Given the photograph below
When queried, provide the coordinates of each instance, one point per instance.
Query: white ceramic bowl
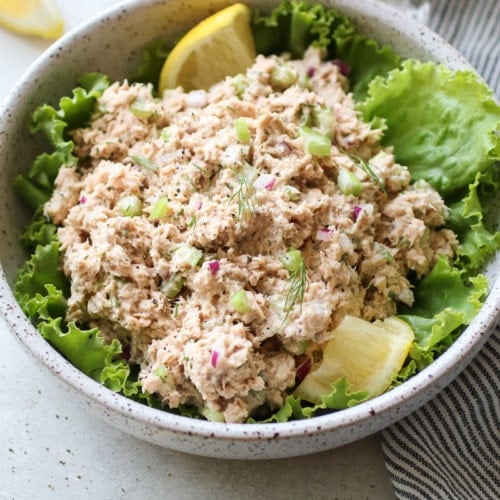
(112, 43)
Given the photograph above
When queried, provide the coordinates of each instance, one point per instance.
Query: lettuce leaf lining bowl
(121, 32)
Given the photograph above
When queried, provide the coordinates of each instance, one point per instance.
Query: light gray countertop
(52, 448)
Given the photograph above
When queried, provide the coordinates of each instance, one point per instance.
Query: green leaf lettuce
(36, 187)
(443, 303)
(442, 124)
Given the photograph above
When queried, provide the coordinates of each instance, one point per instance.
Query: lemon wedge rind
(221, 45)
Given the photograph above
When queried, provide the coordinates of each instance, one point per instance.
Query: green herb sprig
(245, 196)
(145, 163)
(360, 162)
(296, 267)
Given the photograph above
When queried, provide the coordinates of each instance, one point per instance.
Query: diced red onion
(127, 351)
(303, 369)
(214, 358)
(83, 199)
(269, 186)
(324, 234)
(265, 181)
(310, 71)
(356, 211)
(214, 267)
(344, 68)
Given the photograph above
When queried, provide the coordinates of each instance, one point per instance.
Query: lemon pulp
(221, 45)
(368, 355)
(32, 17)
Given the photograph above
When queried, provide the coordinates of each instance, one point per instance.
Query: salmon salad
(176, 229)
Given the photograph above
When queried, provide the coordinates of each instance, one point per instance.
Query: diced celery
(160, 209)
(172, 286)
(292, 193)
(212, 415)
(188, 254)
(304, 81)
(165, 134)
(240, 83)
(130, 206)
(314, 142)
(239, 301)
(306, 116)
(242, 130)
(283, 76)
(324, 121)
(348, 183)
(292, 260)
(318, 118)
(165, 375)
(142, 109)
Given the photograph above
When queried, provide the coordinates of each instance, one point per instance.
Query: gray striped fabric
(450, 448)
(473, 27)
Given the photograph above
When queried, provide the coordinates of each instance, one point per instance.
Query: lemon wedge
(32, 17)
(221, 45)
(368, 355)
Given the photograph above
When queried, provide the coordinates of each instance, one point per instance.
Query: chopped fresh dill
(369, 170)
(145, 163)
(297, 275)
(204, 171)
(384, 251)
(207, 175)
(245, 196)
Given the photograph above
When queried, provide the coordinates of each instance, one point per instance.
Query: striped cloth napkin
(450, 448)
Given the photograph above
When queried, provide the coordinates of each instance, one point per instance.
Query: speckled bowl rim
(413, 393)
